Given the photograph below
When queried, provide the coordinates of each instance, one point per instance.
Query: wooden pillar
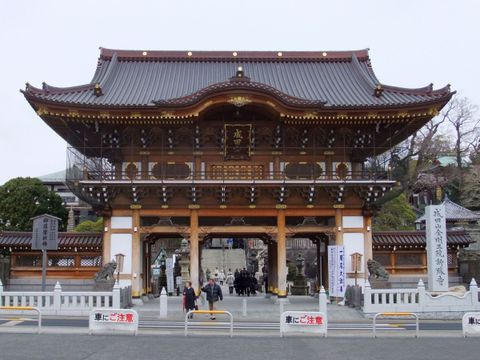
(270, 270)
(368, 244)
(338, 227)
(106, 239)
(274, 283)
(281, 255)
(136, 255)
(194, 253)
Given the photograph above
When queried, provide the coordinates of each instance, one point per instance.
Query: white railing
(419, 300)
(58, 302)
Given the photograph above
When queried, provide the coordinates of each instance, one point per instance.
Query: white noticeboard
(436, 248)
(169, 271)
(336, 271)
(303, 321)
(113, 320)
(471, 324)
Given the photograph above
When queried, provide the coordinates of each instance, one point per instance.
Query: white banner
(436, 248)
(336, 271)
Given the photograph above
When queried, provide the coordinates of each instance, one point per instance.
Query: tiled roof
(89, 240)
(455, 212)
(417, 238)
(161, 78)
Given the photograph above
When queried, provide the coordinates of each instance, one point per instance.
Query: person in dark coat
(189, 297)
(214, 293)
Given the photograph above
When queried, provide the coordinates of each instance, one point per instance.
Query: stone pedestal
(104, 285)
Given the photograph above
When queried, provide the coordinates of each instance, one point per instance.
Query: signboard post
(436, 248)
(303, 321)
(169, 272)
(336, 271)
(45, 237)
(471, 324)
(113, 320)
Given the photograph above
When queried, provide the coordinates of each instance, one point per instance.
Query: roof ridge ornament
(378, 90)
(97, 90)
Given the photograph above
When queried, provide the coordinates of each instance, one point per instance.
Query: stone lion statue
(377, 270)
(107, 272)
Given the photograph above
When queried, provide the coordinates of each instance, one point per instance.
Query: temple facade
(207, 145)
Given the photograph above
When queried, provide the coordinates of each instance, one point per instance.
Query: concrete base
(137, 301)
(282, 300)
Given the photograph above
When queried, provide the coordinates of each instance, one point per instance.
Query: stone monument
(299, 286)
(437, 260)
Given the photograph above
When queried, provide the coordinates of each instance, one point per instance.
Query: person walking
(230, 282)
(189, 298)
(214, 293)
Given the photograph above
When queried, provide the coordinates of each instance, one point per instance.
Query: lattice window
(451, 259)
(409, 259)
(383, 259)
(61, 261)
(91, 261)
(28, 260)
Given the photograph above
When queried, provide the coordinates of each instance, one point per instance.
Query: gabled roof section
(332, 80)
(410, 239)
(455, 212)
(66, 240)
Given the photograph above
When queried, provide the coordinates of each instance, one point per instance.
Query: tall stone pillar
(136, 255)
(194, 253)
(368, 243)
(281, 255)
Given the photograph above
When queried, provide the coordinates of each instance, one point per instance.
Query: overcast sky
(412, 43)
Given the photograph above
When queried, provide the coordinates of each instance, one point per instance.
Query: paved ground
(258, 308)
(73, 347)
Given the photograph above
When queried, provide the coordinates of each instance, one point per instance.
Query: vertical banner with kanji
(336, 271)
(237, 141)
(437, 258)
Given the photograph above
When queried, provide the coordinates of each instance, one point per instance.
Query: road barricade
(395, 315)
(26, 308)
(113, 321)
(214, 312)
(303, 321)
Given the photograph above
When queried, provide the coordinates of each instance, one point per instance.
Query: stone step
(223, 259)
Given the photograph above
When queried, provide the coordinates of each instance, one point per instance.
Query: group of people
(212, 290)
(242, 281)
(245, 283)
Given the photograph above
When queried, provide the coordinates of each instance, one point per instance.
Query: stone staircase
(223, 259)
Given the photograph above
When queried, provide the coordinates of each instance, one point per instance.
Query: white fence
(58, 302)
(419, 300)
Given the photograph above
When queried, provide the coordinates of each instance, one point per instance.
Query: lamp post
(119, 258)
(356, 264)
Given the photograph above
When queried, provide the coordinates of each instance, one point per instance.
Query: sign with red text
(304, 322)
(113, 320)
(471, 324)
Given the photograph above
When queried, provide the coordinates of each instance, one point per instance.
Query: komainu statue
(377, 270)
(107, 272)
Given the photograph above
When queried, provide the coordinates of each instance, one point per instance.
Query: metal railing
(396, 315)
(26, 308)
(216, 312)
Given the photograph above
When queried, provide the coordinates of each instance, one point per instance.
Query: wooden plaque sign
(237, 141)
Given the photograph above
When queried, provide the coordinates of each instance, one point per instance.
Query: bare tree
(464, 121)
